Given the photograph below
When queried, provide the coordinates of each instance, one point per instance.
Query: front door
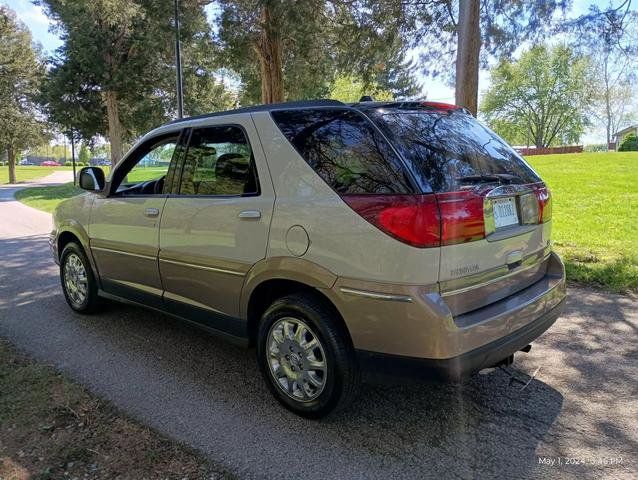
(216, 227)
(124, 226)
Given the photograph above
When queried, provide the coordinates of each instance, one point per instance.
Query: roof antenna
(366, 98)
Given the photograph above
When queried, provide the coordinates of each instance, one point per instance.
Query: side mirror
(92, 179)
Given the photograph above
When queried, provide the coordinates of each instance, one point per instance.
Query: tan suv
(371, 240)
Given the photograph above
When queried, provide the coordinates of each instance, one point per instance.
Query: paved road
(582, 403)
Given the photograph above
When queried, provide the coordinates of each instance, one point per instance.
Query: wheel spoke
(309, 346)
(300, 334)
(314, 379)
(317, 365)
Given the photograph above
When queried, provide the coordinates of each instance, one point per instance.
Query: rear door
(215, 227)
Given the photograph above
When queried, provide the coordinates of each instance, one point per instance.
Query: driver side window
(151, 167)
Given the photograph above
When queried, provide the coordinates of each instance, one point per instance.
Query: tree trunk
(11, 157)
(269, 49)
(467, 55)
(115, 127)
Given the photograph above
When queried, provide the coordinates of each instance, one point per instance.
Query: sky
(435, 89)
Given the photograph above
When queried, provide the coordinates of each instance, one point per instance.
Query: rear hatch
(493, 208)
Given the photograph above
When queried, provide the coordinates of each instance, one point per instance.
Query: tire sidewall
(333, 388)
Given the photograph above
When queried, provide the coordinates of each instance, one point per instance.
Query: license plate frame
(505, 212)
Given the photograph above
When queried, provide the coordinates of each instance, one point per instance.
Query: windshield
(449, 150)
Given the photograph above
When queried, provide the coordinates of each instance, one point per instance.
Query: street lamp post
(178, 65)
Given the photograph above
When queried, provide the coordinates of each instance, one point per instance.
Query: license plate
(505, 213)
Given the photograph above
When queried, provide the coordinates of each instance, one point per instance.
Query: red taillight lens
(412, 219)
(544, 197)
(462, 218)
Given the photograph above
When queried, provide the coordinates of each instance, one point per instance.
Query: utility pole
(178, 65)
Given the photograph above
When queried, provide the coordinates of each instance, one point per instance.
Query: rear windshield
(345, 149)
(451, 149)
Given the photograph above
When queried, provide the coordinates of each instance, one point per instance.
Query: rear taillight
(412, 219)
(544, 198)
(462, 218)
(446, 218)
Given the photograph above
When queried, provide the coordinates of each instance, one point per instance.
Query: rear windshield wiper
(501, 178)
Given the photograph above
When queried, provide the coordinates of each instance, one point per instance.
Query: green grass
(595, 215)
(47, 198)
(26, 174)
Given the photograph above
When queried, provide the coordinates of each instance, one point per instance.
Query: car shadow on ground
(209, 394)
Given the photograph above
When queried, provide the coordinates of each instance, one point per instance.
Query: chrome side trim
(202, 267)
(121, 252)
(376, 295)
(188, 301)
(493, 280)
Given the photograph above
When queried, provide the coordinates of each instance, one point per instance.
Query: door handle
(151, 212)
(248, 214)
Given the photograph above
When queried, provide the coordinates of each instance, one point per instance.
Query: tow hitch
(506, 366)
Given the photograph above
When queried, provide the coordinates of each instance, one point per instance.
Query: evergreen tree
(21, 68)
(288, 49)
(115, 73)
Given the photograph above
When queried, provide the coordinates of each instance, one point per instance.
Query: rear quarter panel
(339, 239)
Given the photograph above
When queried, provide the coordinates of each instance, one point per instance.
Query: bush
(629, 144)
(596, 147)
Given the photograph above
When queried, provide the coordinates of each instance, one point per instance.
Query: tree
(610, 37)
(470, 33)
(347, 88)
(543, 96)
(115, 74)
(21, 68)
(286, 49)
(84, 156)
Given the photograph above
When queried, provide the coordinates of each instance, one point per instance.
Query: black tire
(342, 378)
(91, 302)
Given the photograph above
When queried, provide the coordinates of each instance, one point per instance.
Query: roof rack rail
(266, 108)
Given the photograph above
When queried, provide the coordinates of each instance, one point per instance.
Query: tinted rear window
(345, 149)
(451, 149)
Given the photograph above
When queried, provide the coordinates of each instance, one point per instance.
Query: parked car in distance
(346, 242)
(24, 162)
(50, 163)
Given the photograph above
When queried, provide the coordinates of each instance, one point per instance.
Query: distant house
(620, 135)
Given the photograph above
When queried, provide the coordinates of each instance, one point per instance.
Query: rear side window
(345, 150)
(218, 162)
(451, 149)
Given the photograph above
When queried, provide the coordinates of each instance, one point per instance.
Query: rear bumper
(412, 332)
(381, 366)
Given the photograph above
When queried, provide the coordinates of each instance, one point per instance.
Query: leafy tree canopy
(296, 49)
(541, 98)
(21, 68)
(115, 74)
(347, 88)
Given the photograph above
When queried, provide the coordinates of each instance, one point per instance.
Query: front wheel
(306, 356)
(78, 282)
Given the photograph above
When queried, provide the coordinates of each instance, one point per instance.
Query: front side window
(146, 171)
(219, 161)
(345, 150)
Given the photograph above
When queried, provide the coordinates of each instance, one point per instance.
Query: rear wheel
(78, 282)
(306, 356)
